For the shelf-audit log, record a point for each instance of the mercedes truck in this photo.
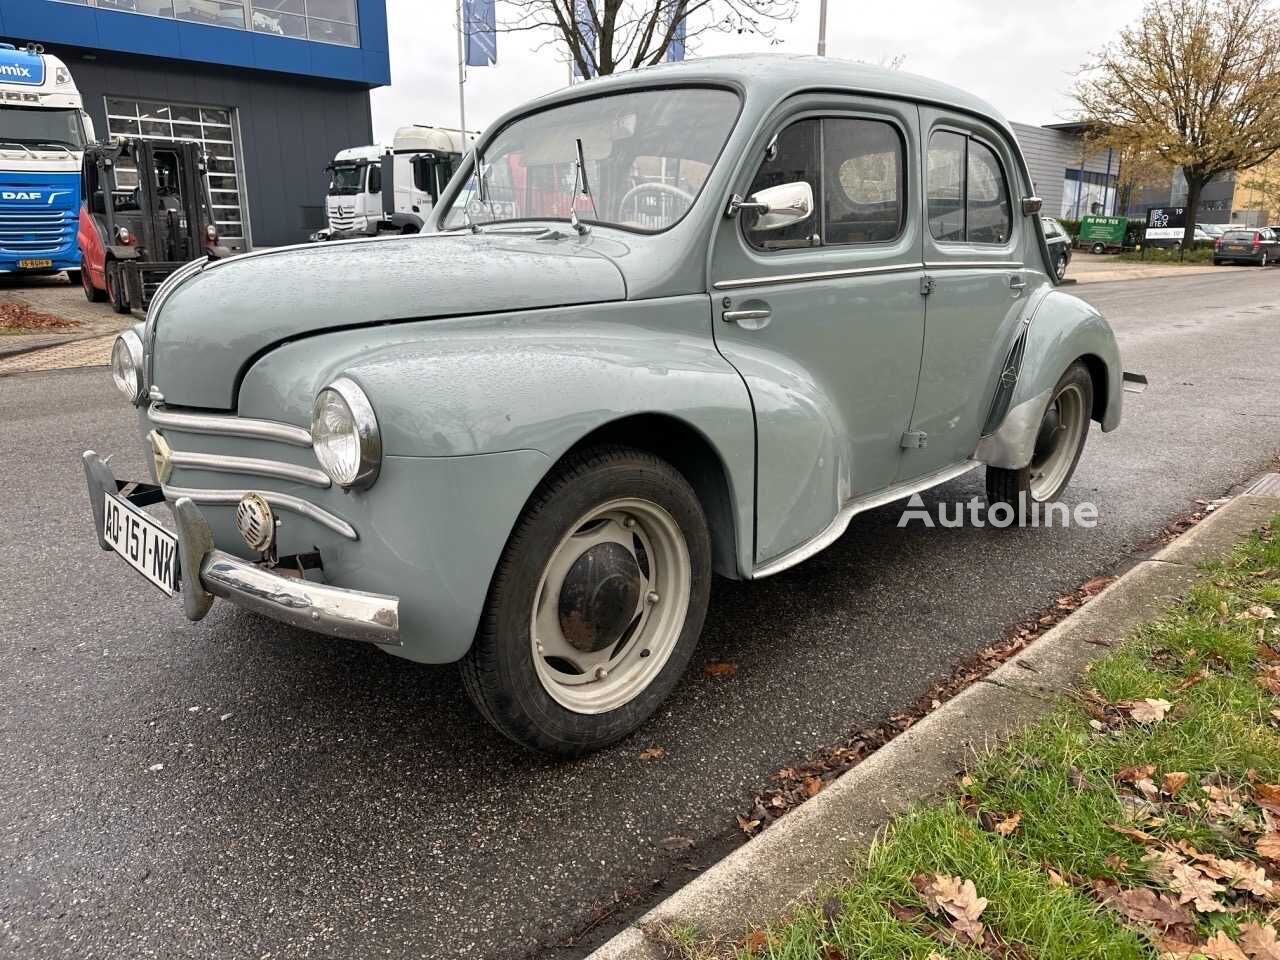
(43, 132)
(379, 189)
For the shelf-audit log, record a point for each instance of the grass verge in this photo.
(1139, 819)
(1200, 255)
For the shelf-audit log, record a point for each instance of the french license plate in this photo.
(145, 545)
(34, 264)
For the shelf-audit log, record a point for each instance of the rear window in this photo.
(1239, 235)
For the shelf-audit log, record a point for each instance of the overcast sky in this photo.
(1018, 55)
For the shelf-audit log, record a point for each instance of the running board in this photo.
(837, 527)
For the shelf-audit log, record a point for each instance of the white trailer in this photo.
(391, 189)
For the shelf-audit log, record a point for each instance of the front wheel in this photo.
(1098, 248)
(1059, 443)
(596, 605)
(1060, 266)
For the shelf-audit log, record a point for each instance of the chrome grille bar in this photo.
(250, 465)
(282, 500)
(229, 426)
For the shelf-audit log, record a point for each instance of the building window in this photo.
(211, 127)
(325, 21)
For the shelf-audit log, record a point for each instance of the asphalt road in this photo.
(324, 800)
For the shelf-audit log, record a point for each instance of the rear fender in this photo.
(1062, 330)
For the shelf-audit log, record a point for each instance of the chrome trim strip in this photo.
(973, 265)
(231, 426)
(251, 465)
(856, 506)
(817, 275)
(349, 614)
(229, 498)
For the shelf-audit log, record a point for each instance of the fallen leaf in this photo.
(1144, 905)
(1148, 789)
(1259, 941)
(1055, 878)
(748, 826)
(653, 753)
(1171, 783)
(831, 952)
(1191, 681)
(1008, 825)
(1187, 881)
(1175, 949)
(757, 940)
(959, 899)
(1134, 774)
(812, 786)
(1258, 611)
(155, 768)
(1149, 710)
(1268, 846)
(1095, 585)
(720, 668)
(1221, 947)
(1133, 834)
(1267, 796)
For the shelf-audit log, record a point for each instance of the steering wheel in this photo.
(658, 189)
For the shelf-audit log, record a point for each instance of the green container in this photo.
(1106, 230)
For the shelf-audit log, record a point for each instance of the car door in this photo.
(823, 318)
(978, 285)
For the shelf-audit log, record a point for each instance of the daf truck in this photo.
(43, 132)
(381, 189)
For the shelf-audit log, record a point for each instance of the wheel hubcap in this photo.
(610, 605)
(1059, 436)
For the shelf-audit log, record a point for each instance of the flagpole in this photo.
(462, 79)
(822, 29)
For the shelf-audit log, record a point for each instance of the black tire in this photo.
(91, 293)
(498, 671)
(73, 278)
(1217, 261)
(116, 292)
(1098, 248)
(1013, 487)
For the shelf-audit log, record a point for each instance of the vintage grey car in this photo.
(683, 321)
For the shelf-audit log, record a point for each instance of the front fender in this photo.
(1062, 329)
(538, 380)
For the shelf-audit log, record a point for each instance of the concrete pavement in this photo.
(323, 800)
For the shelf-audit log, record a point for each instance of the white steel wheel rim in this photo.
(594, 681)
(1049, 470)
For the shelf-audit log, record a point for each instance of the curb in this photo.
(812, 845)
(7, 353)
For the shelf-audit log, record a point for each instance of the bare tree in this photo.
(1194, 84)
(604, 36)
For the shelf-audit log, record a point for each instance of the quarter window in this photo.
(967, 194)
(856, 169)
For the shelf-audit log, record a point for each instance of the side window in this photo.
(987, 204)
(946, 186)
(375, 178)
(795, 158)
(863, 176)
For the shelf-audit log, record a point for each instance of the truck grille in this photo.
(30, 231)
(341, 219)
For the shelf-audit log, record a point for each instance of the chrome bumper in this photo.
(318, 607)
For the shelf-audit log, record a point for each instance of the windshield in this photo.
(647, 156)
(41, 127)
(346, 179)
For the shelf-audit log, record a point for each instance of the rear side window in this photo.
(967, 193)
(857, 171)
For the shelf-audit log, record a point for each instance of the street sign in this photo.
(1165, 223)
(1106, 230)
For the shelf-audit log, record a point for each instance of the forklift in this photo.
(134, 234)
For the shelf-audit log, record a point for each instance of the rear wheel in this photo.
(1060, 266)
(1262, 261)
(596, 605)
(115, 288)
(1059, 443)
(1098, 248)
(91, 293)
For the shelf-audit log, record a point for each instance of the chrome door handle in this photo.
(1017, 283)
(750, 316)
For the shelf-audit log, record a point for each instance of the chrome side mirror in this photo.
(778, 207)
(1031, 206)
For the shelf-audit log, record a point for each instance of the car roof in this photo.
(771, 76)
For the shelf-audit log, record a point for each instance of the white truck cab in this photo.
(378, 189)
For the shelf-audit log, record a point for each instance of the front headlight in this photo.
(126, 365)
(344, 434)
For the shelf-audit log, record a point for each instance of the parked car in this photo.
(1258, 245)
(1210, 230)
(676, 328)
(1059, 242)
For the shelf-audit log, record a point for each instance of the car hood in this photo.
(217, 322)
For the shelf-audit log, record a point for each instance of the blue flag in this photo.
(480, 27)
(675, 52)
(586, 30)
